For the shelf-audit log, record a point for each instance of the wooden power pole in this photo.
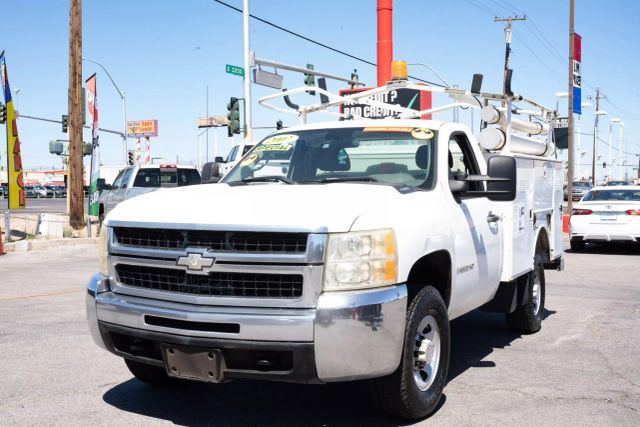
(75, 194)
(570, 111)
(507, 34)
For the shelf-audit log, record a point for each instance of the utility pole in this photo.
(595, 136)
(570, 110)
(75, 194)
(507, 34)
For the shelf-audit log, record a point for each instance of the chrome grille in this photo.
(219, 241)
(252, 285)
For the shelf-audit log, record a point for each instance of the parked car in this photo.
(580, 188)
(42, 192)
(59, 192)
(4, 192)
(139, 179)
(606, 214)
(30, 191)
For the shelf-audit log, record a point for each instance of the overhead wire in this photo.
(310, 40)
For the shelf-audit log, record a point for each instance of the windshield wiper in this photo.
(268, 178)
(344, 179)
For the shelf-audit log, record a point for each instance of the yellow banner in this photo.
(14, 159)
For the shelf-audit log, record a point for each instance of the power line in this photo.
(551, 70)
(293, 33)
(629, 115)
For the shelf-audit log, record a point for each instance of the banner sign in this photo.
(14, 159)
(213, 121)
(408, 98)
(92, 101)
(577, 78)
(142, 128)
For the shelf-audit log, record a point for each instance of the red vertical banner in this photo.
(577, 47)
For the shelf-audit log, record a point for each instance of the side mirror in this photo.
(210, 173)
(219, 159)
(102, 185)
(458, 187)
(501, 185)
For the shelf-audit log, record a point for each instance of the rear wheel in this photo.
(414, 389)
(577, 245)
(527, 317)
(153, 375)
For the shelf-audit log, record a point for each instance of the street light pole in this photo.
(620, 148)
(124, 110)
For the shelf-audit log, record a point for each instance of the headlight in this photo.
(103, 266)
(358, 260)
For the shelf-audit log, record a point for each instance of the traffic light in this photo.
(309, 79)
(3, 114)
(131, 157)
(234, 116)
(604, 165)
(279, 125)
(65, 123)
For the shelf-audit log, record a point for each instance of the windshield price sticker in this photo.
(278, 143)
(249, 160)
(422, 133)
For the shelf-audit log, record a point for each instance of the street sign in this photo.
(265, 78)
(142, 128)
(560, 127)
(408, 98)
(234, 69)
(213, 121)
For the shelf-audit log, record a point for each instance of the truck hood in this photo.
(319, 208)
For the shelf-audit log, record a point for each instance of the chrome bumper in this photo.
(354, 335)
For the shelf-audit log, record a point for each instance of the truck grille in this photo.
(214, 284)
(219, 241)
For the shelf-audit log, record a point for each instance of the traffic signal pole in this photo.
(248, 134)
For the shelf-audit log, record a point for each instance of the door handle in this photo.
(493, 218)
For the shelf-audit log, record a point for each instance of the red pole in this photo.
(385, 40)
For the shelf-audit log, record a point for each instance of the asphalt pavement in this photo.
(38, 206)
(582, 368)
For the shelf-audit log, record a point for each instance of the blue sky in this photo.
(164, 54)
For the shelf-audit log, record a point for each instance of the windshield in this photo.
(394, 155)
(582, 184)
(624, 195)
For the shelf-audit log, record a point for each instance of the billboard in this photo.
(409, 98)
(14, 158)
(142, 128)
(92, 101)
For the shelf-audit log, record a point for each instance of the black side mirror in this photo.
(501, 185)
(210, 173)
(101, 185)
(219, 159)
(458, 187)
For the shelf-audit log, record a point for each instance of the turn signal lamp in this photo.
(399, 70)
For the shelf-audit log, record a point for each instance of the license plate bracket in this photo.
(192, 363)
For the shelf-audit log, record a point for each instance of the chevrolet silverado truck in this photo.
(341, 252)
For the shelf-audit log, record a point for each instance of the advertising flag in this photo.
(577, 76)
(92, 108)
(14, 159)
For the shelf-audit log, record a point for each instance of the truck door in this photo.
(477, 233)
(118, 194)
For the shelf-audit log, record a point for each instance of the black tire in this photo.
(398, 394)
(577, 245)
(525, 318)
(153, 375)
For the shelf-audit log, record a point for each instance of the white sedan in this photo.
(606, 214)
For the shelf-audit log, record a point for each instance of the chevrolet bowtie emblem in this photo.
(195, 262)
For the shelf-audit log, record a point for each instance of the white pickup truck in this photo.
(342, 251)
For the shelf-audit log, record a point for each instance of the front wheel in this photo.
(413, 391)
(527, 317)
(153, 375)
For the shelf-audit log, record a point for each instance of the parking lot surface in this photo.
(582, 368)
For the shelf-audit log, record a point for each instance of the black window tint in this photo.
(188, 177)
(148, 178)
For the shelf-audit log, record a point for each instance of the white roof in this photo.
(338, 124)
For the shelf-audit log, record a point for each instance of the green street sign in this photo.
(232, 69)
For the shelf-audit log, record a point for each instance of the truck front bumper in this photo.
(348, 336)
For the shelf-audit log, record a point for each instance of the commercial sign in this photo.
(577, 78)
(92, 101)
(408, 98)
(142, 128)
(561, 132)
(14, 159)
(212, 121)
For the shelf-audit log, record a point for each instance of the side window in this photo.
(118, 181)
(188, 177)
(126, 177)
(232, 154)
(462, 160)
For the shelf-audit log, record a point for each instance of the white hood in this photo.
(272, 206)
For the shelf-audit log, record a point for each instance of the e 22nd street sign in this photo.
(235, 70)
